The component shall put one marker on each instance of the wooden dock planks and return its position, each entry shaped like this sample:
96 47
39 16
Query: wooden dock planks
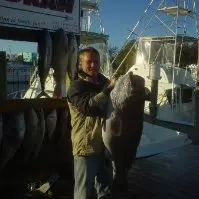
173 174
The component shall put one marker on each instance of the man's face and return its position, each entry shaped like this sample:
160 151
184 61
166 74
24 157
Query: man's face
90 63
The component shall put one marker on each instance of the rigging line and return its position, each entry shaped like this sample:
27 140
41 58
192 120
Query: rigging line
132 32
171 26
174 60
140 19
181 46
196 21
101 24
158 53
160 24
164 24
136 40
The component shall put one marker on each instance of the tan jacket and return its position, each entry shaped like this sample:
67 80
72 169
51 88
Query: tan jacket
87 104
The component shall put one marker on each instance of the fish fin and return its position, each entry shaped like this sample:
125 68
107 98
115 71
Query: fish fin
43 93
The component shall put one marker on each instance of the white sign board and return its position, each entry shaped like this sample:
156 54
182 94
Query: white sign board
39 14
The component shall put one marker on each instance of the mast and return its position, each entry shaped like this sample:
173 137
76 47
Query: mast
93 34
196 132
166 40
90 18
179 12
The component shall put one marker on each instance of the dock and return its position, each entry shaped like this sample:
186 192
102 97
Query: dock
172 174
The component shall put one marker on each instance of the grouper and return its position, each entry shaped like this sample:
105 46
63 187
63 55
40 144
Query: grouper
45 58
60 62
40 132
13 135
30 138
1 128
72 68
122 129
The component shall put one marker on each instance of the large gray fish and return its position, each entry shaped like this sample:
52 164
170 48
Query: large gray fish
51 122
123 128
72 68
30 138
13 135
1 128
60 62
41 131
45 58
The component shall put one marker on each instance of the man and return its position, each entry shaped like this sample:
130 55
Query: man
88 99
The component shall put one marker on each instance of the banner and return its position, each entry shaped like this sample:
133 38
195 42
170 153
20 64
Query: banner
40 14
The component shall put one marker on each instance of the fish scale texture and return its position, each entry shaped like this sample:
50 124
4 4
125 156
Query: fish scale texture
127 86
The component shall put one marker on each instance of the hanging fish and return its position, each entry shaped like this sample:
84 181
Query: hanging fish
60 62
40 132
72 68
30 138
13 135
1 128
51 122
45 58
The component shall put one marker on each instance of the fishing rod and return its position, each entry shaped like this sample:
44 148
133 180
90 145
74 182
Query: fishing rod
132 32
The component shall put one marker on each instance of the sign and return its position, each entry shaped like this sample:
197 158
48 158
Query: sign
40 14
29 57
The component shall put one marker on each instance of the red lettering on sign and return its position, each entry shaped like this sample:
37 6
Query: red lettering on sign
14 0
59 5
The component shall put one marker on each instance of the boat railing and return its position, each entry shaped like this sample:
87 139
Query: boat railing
16 95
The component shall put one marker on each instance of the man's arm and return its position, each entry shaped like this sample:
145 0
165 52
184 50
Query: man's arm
88 103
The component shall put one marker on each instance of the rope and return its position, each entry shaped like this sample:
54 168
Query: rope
132 32
137 37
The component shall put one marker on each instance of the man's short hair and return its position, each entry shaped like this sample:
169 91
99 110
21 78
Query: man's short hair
88 50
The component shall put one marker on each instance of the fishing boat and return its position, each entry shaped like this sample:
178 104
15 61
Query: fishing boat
166 58
93 33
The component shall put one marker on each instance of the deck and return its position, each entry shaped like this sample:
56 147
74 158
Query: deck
173 174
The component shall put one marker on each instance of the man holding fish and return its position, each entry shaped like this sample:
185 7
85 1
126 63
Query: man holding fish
88 98
104 113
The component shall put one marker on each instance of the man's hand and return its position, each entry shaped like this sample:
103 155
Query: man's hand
112 83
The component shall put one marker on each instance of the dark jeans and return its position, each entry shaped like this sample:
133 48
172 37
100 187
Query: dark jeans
89 172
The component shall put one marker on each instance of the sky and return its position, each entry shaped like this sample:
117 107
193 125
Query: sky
118 17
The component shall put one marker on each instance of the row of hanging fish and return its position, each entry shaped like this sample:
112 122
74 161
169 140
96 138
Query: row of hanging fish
29 129
60 54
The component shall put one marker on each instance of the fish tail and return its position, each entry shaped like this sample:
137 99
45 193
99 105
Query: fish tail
43 94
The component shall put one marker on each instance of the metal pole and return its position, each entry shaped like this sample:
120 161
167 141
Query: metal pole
3 75
153 103
196 132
